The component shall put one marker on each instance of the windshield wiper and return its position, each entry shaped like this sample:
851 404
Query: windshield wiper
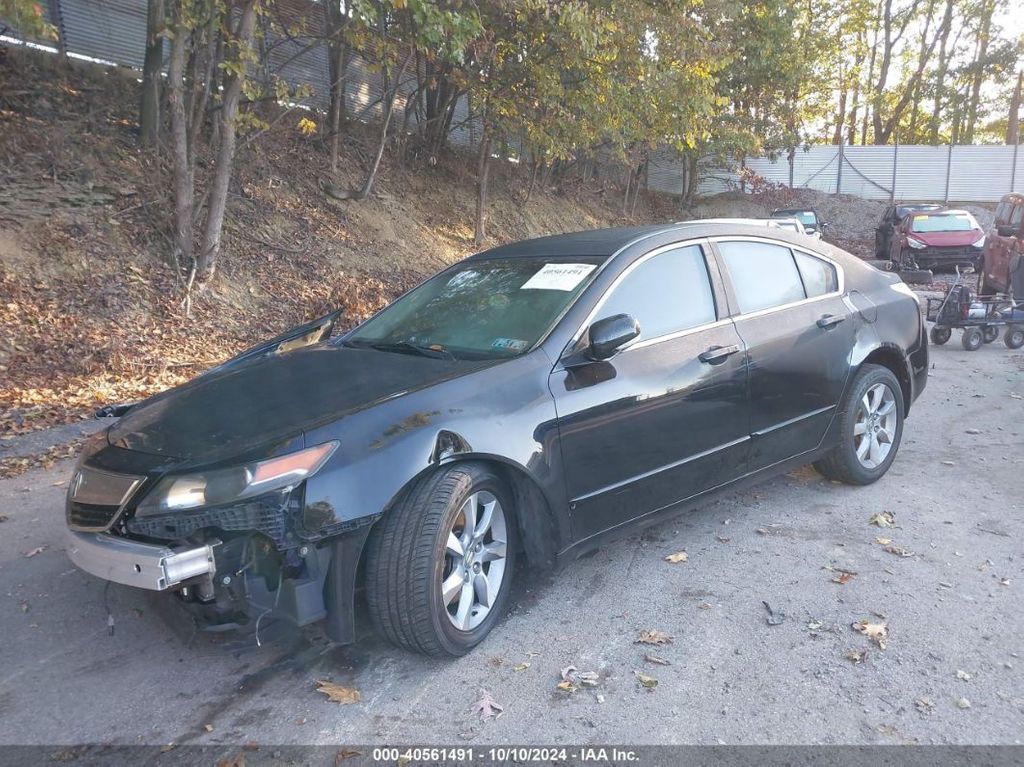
408 346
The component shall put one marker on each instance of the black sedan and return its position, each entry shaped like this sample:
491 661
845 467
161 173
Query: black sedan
539 399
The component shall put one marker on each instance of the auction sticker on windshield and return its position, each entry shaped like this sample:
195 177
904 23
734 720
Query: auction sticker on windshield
558 277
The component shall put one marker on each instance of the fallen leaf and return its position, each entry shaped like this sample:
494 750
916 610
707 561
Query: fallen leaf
521 666
36 550
679 556
653 636
238 760
877 632
857 656
346 753
568 674
589 678
704 606
962 675
566 686
883 519
883 541
337 693
963 703
924 704
843 578
814 625
656 660
898 550
1004 581
722 539
487 707
208 727
646 681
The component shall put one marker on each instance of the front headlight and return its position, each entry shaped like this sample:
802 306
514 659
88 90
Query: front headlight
979 243
916 244
221 486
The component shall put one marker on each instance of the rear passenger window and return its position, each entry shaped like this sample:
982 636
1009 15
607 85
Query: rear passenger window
666 293
819 276
763 275
1017 215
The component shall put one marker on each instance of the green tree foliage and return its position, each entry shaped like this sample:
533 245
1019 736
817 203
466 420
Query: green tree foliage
28 18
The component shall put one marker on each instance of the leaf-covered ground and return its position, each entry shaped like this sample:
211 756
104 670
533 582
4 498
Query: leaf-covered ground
90 306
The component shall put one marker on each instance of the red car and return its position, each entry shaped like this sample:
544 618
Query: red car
934 238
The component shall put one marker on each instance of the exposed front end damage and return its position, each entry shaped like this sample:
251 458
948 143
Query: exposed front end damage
233 566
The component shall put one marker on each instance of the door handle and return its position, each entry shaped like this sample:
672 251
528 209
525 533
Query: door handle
718 354
830 320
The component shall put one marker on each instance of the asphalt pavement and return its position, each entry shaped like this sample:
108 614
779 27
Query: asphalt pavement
760 616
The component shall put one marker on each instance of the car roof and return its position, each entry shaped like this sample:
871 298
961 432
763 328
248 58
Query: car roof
808 209
943 212
602 243
920 205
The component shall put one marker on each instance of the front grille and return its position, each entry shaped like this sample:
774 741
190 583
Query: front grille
90 516
965 252
265 514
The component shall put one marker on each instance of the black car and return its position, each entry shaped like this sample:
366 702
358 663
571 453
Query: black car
538 398
806 216
891 220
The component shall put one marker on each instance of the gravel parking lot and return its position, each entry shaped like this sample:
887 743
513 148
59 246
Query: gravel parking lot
760 616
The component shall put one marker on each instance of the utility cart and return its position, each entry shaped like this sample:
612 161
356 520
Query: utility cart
980 318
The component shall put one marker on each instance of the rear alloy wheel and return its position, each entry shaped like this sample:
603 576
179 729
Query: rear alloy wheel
989 333
972 339
870 427
940 334
1014 336
439 565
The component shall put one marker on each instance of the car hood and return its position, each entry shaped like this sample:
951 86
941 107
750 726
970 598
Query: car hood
948 239
248 409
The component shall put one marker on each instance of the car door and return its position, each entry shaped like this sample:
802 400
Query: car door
798 331
664 419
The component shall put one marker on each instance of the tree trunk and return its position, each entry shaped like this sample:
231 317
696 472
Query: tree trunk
184 192
389 109
149 107
941 66
1013 121
337 60
483 171
978 77
206 263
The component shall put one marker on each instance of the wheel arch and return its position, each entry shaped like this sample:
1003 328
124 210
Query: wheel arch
892 357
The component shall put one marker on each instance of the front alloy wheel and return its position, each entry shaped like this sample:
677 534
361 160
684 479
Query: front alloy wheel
475 557
439 564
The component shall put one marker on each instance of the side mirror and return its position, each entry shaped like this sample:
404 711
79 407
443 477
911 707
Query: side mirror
823 224
1006 230
609 335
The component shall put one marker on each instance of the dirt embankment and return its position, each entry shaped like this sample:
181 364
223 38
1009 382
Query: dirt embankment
90 307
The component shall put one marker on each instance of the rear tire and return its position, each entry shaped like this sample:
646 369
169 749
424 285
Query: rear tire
872 412
940 334
411 566
1014 336
972 339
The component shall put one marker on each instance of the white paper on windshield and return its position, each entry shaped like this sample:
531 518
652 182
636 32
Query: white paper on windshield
558 277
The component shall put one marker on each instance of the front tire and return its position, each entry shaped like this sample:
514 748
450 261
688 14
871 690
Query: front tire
972 339
440 563
870 429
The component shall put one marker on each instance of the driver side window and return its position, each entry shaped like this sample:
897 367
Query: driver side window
667 293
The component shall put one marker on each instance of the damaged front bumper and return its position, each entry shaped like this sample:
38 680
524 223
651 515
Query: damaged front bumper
143 565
